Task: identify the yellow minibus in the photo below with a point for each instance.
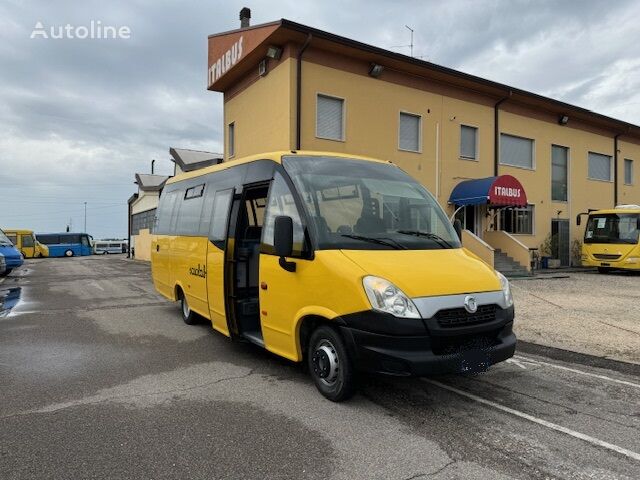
(343, 262)
(611, 239)
(27, 243)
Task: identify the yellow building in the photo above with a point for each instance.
(288, 86)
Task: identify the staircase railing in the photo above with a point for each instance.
(511, 246)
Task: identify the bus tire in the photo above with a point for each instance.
(604, 270)
(329, 364)
(6, 272)
(68, 253)
(105, 252)
(188, 315)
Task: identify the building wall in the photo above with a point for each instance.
(263, 113)
(141, 244)
(372, 108)
(146, 201)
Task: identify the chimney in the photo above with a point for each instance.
(245, 17)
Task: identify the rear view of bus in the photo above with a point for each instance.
(611, 239)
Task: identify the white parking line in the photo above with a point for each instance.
(539, 421)
(580, 372)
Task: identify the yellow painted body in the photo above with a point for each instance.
(629, 255)
(26, 242)
(328, 285)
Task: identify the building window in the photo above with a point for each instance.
(330, 118)
(559, 173)
(468, 142)
(142, 220)
(517, 220)
(628, 171)
(599, 167)
(409, 137)
(232, 139)
(516, 151)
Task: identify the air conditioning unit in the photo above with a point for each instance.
(262, 67)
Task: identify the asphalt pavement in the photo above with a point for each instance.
(100, 378)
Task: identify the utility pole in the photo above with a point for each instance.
(85, 218)
(411, 44)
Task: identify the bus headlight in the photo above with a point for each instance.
(506, 289)
(385, 297)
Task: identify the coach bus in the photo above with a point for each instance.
(345, 263)
(27, 243)
(104, 247)
(611, 239)
(67, 244)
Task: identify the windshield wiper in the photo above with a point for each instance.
(429, 235)
(379, 241)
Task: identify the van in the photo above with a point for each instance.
(12, 257)
(27, 243)
(345, 263)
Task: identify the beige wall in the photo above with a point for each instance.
(263, 113)
(146, 201)
(142, 245)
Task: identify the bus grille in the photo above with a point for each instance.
(459, 317)
(606, 256)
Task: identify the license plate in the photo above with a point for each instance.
(474, 361)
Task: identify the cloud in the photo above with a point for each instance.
(79, 117)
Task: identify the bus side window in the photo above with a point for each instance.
(281, 202)
(220, 217)
(27, 241)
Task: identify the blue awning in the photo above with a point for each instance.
(472, 192)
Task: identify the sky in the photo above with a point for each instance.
(79, 117)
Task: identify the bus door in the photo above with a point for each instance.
(85, 245)
(217, 206)
(28, 245)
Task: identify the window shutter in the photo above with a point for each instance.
(516, 151)
(468, 141)
(409, 132)
(329, 121)
(599, 166)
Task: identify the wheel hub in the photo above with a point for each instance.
(325, 363)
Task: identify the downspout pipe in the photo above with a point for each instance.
(496, 132)
(615, 169)
(299, 90)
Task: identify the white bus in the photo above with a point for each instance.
(103, 247)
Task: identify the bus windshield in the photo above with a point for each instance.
(613, 228)
(362, 205)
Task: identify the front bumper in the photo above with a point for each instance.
(381, 343)
(625, 264)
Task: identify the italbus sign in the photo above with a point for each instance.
(507, 191)
(227, 60)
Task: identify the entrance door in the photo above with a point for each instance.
(218, 208)
(471, 218)
(28, 245)
(560, 229)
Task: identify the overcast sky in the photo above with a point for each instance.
(79, 117)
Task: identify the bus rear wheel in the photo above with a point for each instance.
(68, 253)
(330, 365)
(188, 315)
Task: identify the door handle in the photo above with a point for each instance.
(157, 248)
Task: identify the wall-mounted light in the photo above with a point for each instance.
(563, 119)
(274, 52)
(376, 70)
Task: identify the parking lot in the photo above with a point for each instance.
(100, 378)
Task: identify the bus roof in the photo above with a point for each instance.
(274, 156)
(618, 209)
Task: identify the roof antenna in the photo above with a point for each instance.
(411, 44)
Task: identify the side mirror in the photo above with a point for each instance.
(457, 226)
(283, 241)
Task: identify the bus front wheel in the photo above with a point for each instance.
(329, 364)
(188, 315)
(68, 253)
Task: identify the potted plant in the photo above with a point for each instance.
(547, 248)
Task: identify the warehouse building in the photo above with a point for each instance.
(144, 203)
(514, 166)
